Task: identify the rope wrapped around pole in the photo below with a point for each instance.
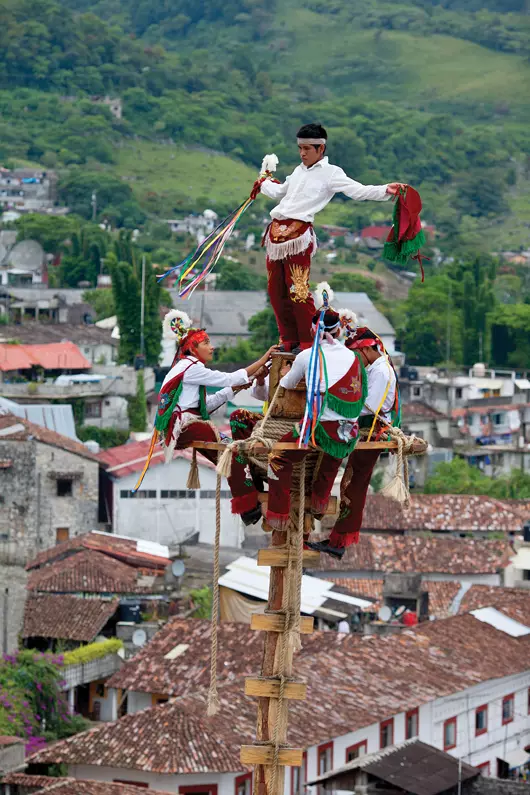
(213, 698)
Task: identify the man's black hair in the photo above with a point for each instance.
(312, 131)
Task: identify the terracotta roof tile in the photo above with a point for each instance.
(514, 602)
(66, 617)
(69, 786)
(52, 356)
(129, 458)
(419, 410)
(415, 554)
(151, 672)
(125, 549)
(354, 685)
(24, 430)
(461, 513)
(87, 571)
(83, 334)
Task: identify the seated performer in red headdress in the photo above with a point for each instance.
(184, 407)
(290, 239)
(342, 389)
(380, 409)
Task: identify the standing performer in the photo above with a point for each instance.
(290, 239)
(343, 391)
(184, 407)
(380, 410)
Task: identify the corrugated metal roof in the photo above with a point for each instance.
(58, 418)
(245, 576)
(491, 616)
(227, 312)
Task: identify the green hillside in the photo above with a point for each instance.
(431, 93)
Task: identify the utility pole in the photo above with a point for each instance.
(142, 309)
(448, 331)
(94, 203)
(5, 618)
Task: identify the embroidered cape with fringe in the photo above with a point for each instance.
(289, 237)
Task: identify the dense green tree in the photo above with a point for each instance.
(458, 477)
(137, 407)
(50, 231)
(355, 283)
(510, 336)
(235, 276)
(102, 301)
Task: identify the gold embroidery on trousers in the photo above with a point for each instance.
(299, 290)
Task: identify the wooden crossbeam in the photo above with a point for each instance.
(279, 556)
(418, 448)
(331, 508)
(275, 622)
(263, 687)
(264, 755)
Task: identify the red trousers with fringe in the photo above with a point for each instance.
(291, 298)
(244, 494)
(347, 528)
(280, 476)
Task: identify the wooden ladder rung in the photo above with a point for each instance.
(279, 556)
(265, 687)
(275, 622)
(264, 755)
(331, 508)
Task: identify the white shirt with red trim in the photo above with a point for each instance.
(339, 360)
(307, 191)
(380, 374)
(198, 375)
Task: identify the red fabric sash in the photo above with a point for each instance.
(350, 386)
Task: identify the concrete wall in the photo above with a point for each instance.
(13, 595)
(136, 701)
(78, 512)
(113, 413)
(167, 783)
(96, 353)
(170, 520)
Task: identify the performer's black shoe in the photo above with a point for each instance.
(253, 516)
(323, 546)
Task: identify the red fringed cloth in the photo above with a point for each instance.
(406, 236)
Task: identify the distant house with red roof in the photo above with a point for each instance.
(164, 509)
(54, 356)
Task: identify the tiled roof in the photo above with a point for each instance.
(414, 554)
(86, 571)
(24, 430)
(66, 617)
(189, 640)
(165, 740)
(514, 602)
(53, 356)
(521, 506)
(130, 458)
(6, 739)
(441, 594)
(418, 410)
(58, 332)
(69, 786)
(355, 685)
(128, 550)
(462, 513)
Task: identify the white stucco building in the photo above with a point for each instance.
(164, 509)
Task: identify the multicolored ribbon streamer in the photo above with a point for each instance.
(209, 251)
(314, 402)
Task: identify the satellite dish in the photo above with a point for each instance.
(399, 611)
(384, 613)
(178, 568)
(139, 637)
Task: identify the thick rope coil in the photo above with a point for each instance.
(213, 698)
(398, 487)
(224, 466)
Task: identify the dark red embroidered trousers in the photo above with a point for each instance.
(244, 494)
(291, 298)
(348, 526)
(280, 476)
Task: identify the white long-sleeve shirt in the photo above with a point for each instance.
(260, 391)
(307, 191)
(379, 375)
(198, 375)
(338, 361)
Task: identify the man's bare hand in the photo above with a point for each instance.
(395, 187)
(261, 375)
(285, 369)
